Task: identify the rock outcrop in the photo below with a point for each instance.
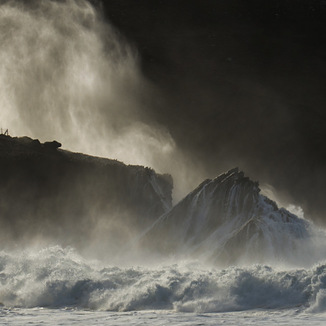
(53, 193)
(227, 219)
(50, 194)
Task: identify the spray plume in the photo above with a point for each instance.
(68, 75)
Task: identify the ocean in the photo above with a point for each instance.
(57, 286)
(83, 317)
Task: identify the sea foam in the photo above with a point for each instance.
(56, 278)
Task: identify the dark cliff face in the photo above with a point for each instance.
(73, 197)
(227, 220)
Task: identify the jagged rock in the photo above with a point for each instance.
(225, 219)
(52, 145)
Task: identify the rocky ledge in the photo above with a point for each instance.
(49, 192)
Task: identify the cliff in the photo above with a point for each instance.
(56, 194)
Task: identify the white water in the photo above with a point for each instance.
(60, 278)
(56, 286)
(51, 317)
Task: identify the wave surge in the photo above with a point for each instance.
(57, 278)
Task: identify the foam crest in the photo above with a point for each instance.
(57, 278)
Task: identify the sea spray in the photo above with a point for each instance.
(66, 74)
(55, 277)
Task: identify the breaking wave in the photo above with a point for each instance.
(57, 277)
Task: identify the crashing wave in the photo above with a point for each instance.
(58, 278)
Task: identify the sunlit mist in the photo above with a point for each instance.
(68, 75)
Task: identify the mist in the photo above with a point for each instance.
(69, 75)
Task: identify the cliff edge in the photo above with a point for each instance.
(54, 193)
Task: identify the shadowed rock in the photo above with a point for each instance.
(74, 198)
(227, 219)
(51, 145)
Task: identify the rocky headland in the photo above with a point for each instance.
(52, 193)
